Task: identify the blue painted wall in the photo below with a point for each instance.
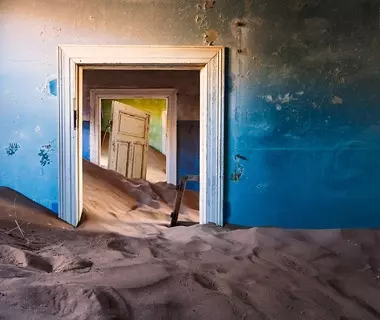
(188, 151)
(302, 113)
(304, 134)
(86, 125)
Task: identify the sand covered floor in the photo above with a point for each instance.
(198, 272)
(113, 267)
(113, 203)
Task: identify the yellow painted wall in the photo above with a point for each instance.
(154, 106)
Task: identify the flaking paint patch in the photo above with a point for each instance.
(48, 88)
(45, 153)
(201, 18)
(37, 130)
(209, 4)
(281, 99)
(53, 87)
(239, 169)
(337, 100)
(12, 148)
(210, 36)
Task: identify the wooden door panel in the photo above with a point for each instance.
(123, 149)
(138, 163)
(129, 141)
(132, 125)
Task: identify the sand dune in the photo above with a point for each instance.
(112, 202)
(52, 271)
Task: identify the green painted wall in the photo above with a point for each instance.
(154, 106)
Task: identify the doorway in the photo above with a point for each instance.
(209, 60)
(138, 154)
(160, 102)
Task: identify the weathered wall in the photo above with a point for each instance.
(188, 148)
(303, 116)
(186, 83)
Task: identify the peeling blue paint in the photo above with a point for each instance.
(53, 87)
(12, 148)
(239, 169)
(45, 153)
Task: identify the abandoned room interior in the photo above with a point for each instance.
(163, 156)
(206, 159)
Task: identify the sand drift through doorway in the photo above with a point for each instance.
(96, 95)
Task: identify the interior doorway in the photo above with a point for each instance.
(138, 152)
(161, 104)
(73, 60)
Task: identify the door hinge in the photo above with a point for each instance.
(75, 113)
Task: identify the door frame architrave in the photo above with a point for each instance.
(73, 59)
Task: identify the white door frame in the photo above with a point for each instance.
(210, 60)
(96, 95)
(165, 135)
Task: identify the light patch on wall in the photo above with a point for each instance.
(337, 100)
(281, 99)
(22, 135)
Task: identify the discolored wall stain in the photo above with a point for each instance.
(12, 148)
(210, 36)
(45, 153)
(209, 4)
(239, 169)
(337, 100)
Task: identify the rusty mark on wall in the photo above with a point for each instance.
(236, 29)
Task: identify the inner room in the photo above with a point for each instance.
(156, 155)
(129, 143)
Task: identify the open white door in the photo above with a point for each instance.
(128, 148)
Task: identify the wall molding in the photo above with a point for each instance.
(210, 60)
